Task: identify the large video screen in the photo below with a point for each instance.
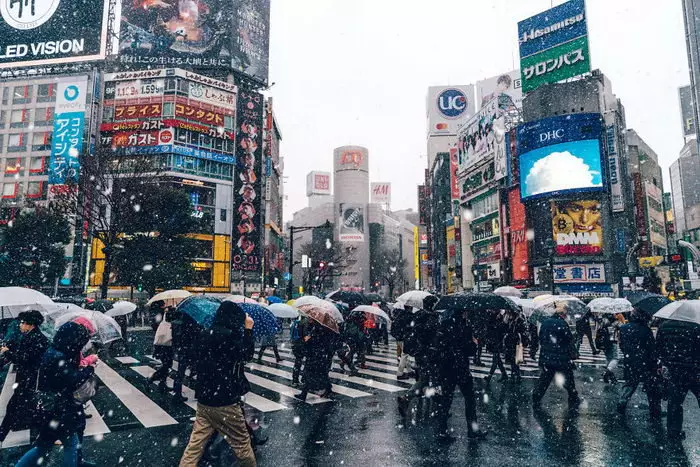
(560, 155)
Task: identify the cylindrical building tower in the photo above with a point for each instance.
(351, 196)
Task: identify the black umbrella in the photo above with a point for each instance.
(476, 302)
(647, 302)
(374, 298)
(346, 296)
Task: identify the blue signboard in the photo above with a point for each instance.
(560, 154)
(68, 129)
(553, 27)
(176, 149)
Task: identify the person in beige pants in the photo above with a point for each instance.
(221, 384)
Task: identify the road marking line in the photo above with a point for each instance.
(94, 425)
(354, 393)
(126, 360)
(14, 438)
(146, 411)
(282, 389)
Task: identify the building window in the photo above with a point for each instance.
(20, 118)
(108, 114)
(41, 141)
(5, 95)
(37, 165)
(22, 94)
(13, 167)
(222, 215)
(228, 122)
(46, 93)
(44, 116)
(3, 118)
(35, 190)
(9, 190)
(17, 142)
(168, 109)
(170, 84)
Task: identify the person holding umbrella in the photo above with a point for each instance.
(185, 333)
(583, 328)
(606, 340)
(516, 335)
(496, 333)
(320, 345)
(26, 354)
(221, 384)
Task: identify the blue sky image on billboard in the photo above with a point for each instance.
(561, 167)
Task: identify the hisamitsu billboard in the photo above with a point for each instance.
(45, 32)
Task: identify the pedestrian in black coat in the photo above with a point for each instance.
(320, 345)
(60, 374)
(496, 333)
(557, 353)
(26, 354)
(516, 334)
(583, 328)
(678, 347)
(454, 344)
(640, 363)
(186, 333)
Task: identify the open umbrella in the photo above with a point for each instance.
(374, 310)
(684, 310)
(106, 328)
(508, 291)
(527, 304)
(476, 302)
(307, 300)
(173, 295)
(282, 310)
(238, 299)
(348, 296)
(274, 299)
(548, 306)
(647, 302)
(374, 298)
(413, 298)
(326, 305)
(14, 300)
(608, 305)
(121, 308)
(202, 309)
(321, 316)
(265, 322)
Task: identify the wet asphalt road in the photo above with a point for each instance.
(367, 430)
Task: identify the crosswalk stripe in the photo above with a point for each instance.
(353, 393)
(147, 371)
(14, 438)
(144, 409)
(94, 425)
(282, 389)
(126, 360)
(382, 359)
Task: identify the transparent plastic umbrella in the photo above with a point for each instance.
(413, 298)
(14, 300)
(282, 310)
(106, 328)
(508, 291)
(374, 311)
(175, 296)
(121, 308)
(238, 299)
(685, 310)
(609, 305)
(325, 304)
(322, 316)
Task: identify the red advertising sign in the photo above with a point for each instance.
(454, 165)
(131, 139)
(132, 112)
(198, 114)
(322, 182)
(166, 123)
(518, 236)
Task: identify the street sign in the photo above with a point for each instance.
(287, 276)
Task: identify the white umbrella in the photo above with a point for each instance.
(14, 300)
(174, 295)
(413, 298)
(239, 299)
(326, 305)
(684, 310)
(547, 306)
(527, 304)
(106, 328)
(282, 310)
(308, 300)
(374, 310)
(609, 305)
(508, 291)
(121, 308)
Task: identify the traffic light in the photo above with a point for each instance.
(321, 264)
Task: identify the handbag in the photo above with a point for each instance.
(519, 354)
(164, 334)
(86, 391)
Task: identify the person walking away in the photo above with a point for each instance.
(123, 322)
(606, 340)
(296, 336)
(557, 355)
(534, 340)
(63, 418)
(639, 362)
(496, 333)
(221, 385)
(163, 351)
(319, 347)
(678, 347)
(185, 335)
(26, 354)
(400, 327)
(156, 312)
(583, 328)
(370, 327)
(454, 344)
(481, 336)
(516, 339)
(354, 337)
(269, 341)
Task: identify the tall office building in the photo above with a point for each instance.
(691, 20)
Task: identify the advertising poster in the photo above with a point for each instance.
(454, 167)
(45, 32)
(685, 96)
(251, 41)
(352, 223)
(68, 129)
(577, 228)
(449, 107)
(554, 45)
(617, 199)
(318, 183)
(577, 273)
(518, 236)
(416, 252)
(247, 230)
(481, 137)
(380, 193)
(507, 88)
(560, 155)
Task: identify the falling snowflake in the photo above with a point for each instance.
(297, 420)
(173, 442)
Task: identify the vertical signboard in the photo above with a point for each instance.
(247, 231)
(454, 167)
(617, 199)
(577, 227)
(554, 45)
(416, 251)
(352, 223)
(518, 237)
(68, 129)
(251, 38)
(483, 136)
(380, 193)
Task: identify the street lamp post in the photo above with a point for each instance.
(549, 246)
(292, 231)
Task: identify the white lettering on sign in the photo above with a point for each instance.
(535, 33)
(578, 238)
(381, 193)
(551, 135)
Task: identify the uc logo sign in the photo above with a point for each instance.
(452, 103)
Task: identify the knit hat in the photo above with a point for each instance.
(32, 317)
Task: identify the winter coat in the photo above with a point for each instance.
(517, 333)
(495, 334)
(186, 332)
(27, 353)
(61, 374)
(583, 323)
(319, 351)
(400, 326)
(678, 344)
(453, 346)
(222, 353)
(353, 333)
(556, 343)
(425, 326)
(638, 346)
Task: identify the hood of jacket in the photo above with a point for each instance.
(70, 339)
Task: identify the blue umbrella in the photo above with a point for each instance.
(274, 299)
(265, 322)
(201, 309)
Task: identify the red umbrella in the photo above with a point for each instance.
(321, 316)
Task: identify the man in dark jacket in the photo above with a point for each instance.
(495, 334)
(454, 344)
(639, 351)
(221, 385)
(583, 328)
(186, 332)
(60, 375)
(557, 352)
(26, 354)
(678, 347)
(400, 329)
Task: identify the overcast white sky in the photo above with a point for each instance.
(357, 72)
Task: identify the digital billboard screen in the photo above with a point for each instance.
(577, 228)
(560, 155)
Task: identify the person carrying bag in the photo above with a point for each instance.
(163, 351)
